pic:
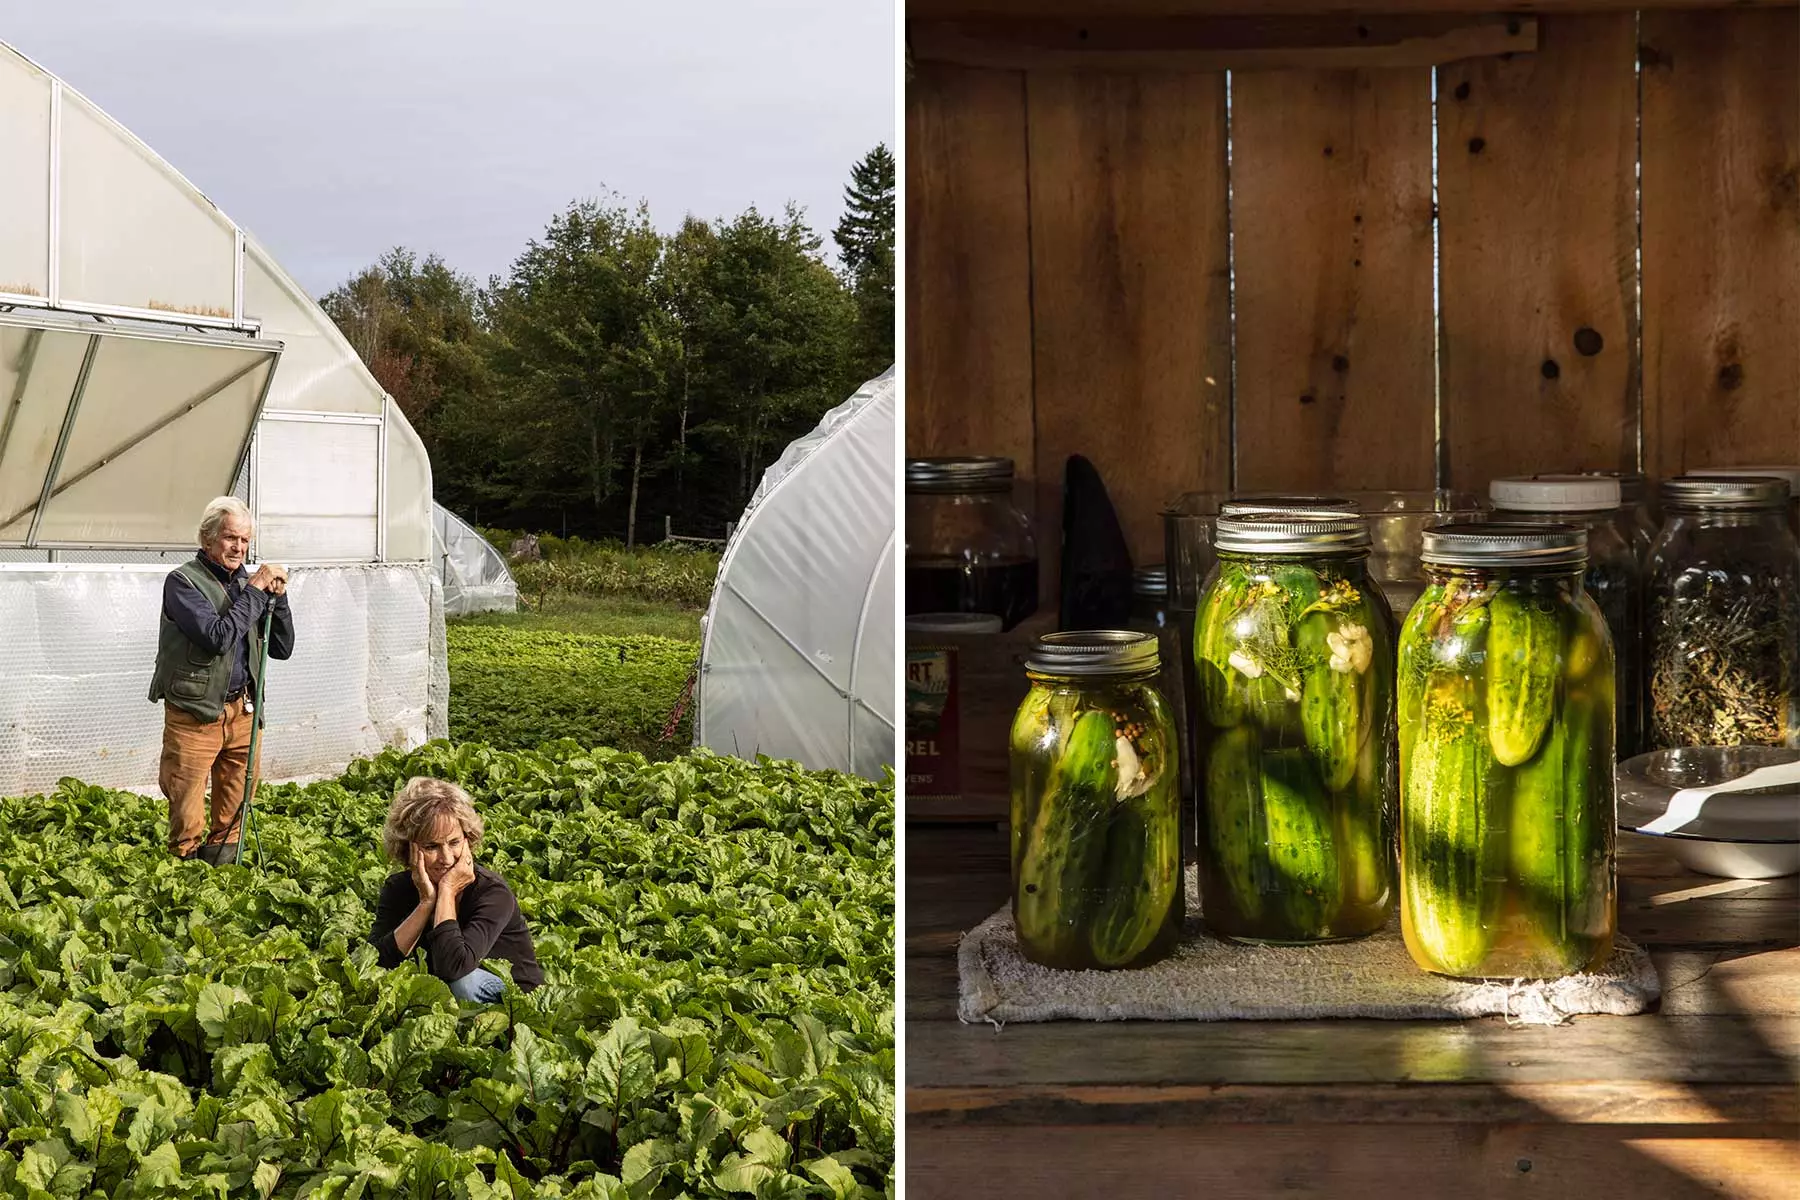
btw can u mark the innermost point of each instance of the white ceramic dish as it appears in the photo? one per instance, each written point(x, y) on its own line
point(1732, 811)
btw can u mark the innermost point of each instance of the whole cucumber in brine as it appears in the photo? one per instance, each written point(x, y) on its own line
point(1142, 878)
point(1302, 852)
point(1234, 819)
point(1066, 846)
point(1524, 663)
point(1332, 696)
point(1450, 896)
point(1540, 806)
point(1221, 685)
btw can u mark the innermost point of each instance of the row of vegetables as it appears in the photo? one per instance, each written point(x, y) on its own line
point(1458, 763)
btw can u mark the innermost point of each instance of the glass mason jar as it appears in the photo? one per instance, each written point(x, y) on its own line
point(1506, 757)
point(1723, 620)
point(1789, 473)
point(1096, 822)
point(968, 547)
point(1636, 521)
point(1614, 576)
point(1296, 667)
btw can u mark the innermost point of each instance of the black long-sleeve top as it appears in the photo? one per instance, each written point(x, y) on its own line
point(488, 924)
point(213, 630)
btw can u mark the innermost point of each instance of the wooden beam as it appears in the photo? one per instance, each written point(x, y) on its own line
point(1217, 43)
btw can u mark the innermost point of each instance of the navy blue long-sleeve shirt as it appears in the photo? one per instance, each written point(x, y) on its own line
point(207, 627)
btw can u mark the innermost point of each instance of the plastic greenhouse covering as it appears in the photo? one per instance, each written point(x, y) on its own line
point(798, 656)
point(475, 575)
point(153, 356)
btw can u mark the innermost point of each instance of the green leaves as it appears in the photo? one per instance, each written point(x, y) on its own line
point(717, 1020)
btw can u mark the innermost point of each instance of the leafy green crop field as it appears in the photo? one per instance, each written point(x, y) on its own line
point(516, 687)
point(717, 1017)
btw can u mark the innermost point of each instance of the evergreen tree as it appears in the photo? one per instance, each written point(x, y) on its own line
point(865, 241)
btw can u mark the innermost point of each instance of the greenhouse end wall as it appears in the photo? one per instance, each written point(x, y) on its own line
point(366, 672)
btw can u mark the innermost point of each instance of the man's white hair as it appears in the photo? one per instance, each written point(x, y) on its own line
point(213, 519)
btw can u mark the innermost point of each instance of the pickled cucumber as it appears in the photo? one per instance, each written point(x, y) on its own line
point(1524, 663)
point(1140, 881)
point(1233, 800)
point(1066, 845)
point(1302, 853)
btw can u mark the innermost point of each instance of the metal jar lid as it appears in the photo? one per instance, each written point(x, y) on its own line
point(1150, 581)
point(1499, 544)
point(953, 622)
point(964, 474)
point(1091, 652)
point(1310, 531)
point(1725, 491)
point(1770, 471)
point(1261, 502)
point(1555, 493)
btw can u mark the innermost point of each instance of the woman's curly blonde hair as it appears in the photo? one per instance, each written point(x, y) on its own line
point(417, 808)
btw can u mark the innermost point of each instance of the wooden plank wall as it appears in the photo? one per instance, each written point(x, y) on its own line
point(1070, 239)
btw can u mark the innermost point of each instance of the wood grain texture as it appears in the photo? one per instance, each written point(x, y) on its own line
point(1218, 43)
point(1721, 213)
point(1580, 1102)
point(1331, 215)
point(1470, 1162)
point(1129, 274)
point(1538, 236)
point(968, 267)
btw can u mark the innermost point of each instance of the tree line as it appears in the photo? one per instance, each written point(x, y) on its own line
point(615, 374)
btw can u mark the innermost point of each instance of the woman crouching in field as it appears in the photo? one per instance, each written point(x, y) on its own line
point(459, 912)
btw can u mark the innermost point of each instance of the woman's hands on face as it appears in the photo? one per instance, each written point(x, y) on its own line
point(422, 879)
point(460, 876)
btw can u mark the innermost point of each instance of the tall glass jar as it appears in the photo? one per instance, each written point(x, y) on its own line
point(1096, 833)
point(1635, 518)
point(1724, 616)
point(968, 546)
point(1614, 575)
point(1506, 757)
point(1789, 473)
point(1296, 669)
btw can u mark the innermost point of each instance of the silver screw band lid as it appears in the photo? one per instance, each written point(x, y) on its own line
point(1701, 490)
point(1091, 652)
point(1312, 531)
point(1500, 544)
point(969, 473)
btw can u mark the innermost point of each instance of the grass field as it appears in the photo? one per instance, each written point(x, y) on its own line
point(608, 616)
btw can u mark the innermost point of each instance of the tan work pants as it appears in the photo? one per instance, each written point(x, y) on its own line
point(194, 751)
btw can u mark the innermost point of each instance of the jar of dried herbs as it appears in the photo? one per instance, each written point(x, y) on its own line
point(1724, 616)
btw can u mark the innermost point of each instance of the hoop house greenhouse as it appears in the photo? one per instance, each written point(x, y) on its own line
point(475, 576)
point(798, 656)
point(152, 356)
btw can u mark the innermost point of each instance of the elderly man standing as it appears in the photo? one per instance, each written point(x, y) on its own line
point(208, 651)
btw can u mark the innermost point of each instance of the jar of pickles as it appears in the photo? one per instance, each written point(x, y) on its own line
point(1296, 669)
point(1724, 616)
point(1613, 578)
point(1096, 822)
point(1506, 757)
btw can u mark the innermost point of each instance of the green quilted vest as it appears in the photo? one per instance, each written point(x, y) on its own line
point(188, 676)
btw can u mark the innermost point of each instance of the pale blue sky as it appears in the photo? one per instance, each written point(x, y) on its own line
point(334, 129)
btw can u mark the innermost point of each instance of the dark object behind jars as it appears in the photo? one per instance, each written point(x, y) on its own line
point(1096, 564)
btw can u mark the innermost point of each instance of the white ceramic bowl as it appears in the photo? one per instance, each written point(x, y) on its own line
point(1740, 835)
